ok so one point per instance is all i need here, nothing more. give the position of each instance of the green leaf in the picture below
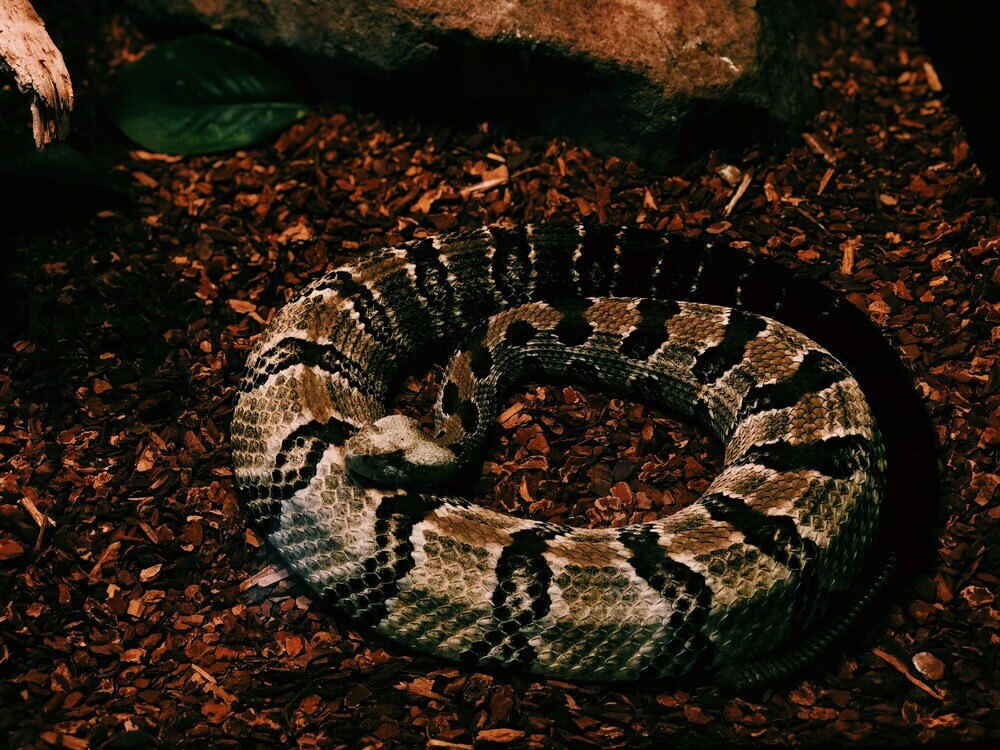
(201, 94)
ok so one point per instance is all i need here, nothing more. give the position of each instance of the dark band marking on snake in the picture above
(356, 500)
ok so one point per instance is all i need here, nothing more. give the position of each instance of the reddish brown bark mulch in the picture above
(138, 603)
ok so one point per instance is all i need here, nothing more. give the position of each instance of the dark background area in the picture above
(962, 39)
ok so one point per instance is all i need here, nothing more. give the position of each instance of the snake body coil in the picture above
(348, 494)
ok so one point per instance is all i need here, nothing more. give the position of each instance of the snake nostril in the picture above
(379, 468)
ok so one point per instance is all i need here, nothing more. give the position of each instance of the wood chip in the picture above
(932, 77)
(265, 578)
(902, 669)
(928, 665)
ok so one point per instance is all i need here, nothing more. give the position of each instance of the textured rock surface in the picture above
(647, 78)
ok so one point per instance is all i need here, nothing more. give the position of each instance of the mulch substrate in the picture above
(138, 602)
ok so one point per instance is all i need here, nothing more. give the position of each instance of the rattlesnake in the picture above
(356, 501)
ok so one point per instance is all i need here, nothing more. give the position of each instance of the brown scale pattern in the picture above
(720, 581)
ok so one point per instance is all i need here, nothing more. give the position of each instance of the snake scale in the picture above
(355, 500)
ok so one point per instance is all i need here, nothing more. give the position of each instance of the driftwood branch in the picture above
(27, 50)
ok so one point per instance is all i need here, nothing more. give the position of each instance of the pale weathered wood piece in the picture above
(27, 50)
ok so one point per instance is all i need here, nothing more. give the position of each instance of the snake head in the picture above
(394, 451)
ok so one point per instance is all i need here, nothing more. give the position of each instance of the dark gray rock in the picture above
(651, 79)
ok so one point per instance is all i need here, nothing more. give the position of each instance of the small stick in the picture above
(739, 193)
(820, 147)
(484, 185)
(40, 518)
(826, 179)
(901, 668)
(206, 675)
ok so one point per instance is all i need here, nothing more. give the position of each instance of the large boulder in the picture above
(646, 78)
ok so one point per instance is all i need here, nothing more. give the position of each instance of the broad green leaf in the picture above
(201, 94)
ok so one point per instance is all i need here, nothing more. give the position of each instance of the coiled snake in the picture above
(355, 501)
